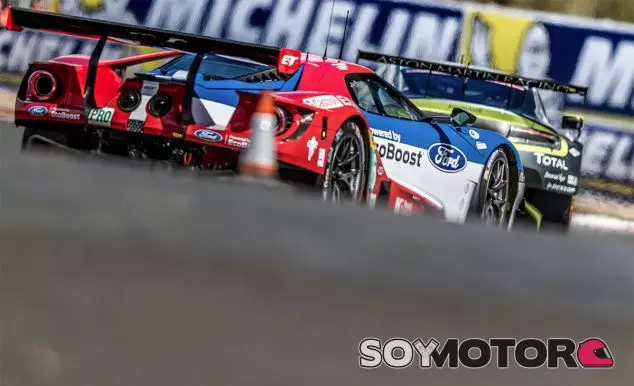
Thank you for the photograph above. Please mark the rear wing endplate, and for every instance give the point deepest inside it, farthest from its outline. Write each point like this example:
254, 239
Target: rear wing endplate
286, 60
465, 71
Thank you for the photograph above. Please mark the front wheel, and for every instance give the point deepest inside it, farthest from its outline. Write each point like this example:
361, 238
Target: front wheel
493, 193
346, 170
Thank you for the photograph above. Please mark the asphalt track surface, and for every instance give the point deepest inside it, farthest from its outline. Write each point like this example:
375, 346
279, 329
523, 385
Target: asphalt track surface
111, 274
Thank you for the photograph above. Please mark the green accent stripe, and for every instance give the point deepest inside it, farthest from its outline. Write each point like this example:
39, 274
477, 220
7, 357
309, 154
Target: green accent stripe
534, 213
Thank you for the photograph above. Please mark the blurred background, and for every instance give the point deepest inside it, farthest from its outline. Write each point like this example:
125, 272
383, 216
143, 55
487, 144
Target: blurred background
613, 9
585, 42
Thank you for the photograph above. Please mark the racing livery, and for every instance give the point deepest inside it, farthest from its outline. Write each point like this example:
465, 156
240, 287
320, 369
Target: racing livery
511, 106
339, 128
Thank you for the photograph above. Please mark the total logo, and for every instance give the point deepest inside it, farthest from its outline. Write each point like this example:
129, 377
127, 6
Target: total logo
549, 161
407, 157
208, 135
447, 158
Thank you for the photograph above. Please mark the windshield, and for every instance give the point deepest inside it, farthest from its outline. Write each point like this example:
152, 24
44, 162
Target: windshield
442, 86
423, 84
215, 66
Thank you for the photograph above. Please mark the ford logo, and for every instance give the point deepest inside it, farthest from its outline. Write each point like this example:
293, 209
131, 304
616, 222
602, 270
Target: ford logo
447, 158
208, 135
38, 111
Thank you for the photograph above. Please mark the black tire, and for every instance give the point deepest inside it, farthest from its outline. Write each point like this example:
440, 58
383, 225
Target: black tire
492, 203
338, 184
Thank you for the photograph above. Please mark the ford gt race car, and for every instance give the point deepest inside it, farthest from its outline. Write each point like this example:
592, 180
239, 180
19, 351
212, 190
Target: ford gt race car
511, 106
339, 127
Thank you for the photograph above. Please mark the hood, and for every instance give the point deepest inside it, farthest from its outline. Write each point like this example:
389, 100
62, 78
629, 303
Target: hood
486, 113
498, 120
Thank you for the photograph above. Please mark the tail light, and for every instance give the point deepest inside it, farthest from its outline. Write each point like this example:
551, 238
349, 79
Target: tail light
528, 135
160, 105
129, 100
42, 85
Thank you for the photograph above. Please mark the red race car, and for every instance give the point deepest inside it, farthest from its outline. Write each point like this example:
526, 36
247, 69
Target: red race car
195, 111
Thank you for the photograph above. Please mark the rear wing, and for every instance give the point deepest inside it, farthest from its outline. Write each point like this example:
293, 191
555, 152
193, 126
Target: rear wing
286, 60
464, 71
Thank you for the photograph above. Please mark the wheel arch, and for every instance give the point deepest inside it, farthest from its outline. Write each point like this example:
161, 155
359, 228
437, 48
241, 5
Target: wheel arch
513, 172
513, 175
363, 124
360, 121
363, 132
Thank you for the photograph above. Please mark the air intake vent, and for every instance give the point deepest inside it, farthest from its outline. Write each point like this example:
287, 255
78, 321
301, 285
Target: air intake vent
264, 76
530, 136
284, 120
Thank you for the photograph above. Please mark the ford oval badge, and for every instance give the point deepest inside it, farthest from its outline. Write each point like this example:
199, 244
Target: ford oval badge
447, 158
208, 135
38, 111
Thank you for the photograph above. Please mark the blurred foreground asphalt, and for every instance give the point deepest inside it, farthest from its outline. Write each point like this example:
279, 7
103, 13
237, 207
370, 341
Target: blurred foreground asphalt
115, 275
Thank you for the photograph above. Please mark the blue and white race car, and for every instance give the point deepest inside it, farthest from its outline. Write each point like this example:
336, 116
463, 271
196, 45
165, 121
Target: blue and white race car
444, 162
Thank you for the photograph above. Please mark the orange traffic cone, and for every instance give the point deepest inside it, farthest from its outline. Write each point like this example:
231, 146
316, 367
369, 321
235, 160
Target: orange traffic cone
4, 13
259, 158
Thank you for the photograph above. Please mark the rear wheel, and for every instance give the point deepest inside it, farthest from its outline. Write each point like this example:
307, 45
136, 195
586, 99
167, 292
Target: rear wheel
493, 192
346, 168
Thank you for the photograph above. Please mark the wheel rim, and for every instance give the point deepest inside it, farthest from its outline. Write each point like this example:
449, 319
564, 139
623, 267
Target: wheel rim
346, 168
497, 192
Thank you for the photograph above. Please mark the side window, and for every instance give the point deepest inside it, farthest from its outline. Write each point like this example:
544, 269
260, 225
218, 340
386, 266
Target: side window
362, 94
393, 105
375, 96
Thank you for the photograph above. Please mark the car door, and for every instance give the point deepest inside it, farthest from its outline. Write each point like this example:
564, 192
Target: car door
426, 158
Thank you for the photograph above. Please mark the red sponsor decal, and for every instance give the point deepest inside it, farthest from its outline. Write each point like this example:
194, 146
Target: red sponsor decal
288, 61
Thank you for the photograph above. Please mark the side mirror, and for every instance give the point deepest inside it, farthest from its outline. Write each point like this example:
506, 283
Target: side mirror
460, 117
572, 125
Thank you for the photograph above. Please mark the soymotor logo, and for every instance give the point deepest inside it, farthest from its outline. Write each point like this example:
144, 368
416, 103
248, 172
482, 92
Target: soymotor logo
477, 353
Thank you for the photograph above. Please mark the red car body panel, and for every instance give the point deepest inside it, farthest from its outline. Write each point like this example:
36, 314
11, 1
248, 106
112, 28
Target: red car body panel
72, 71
